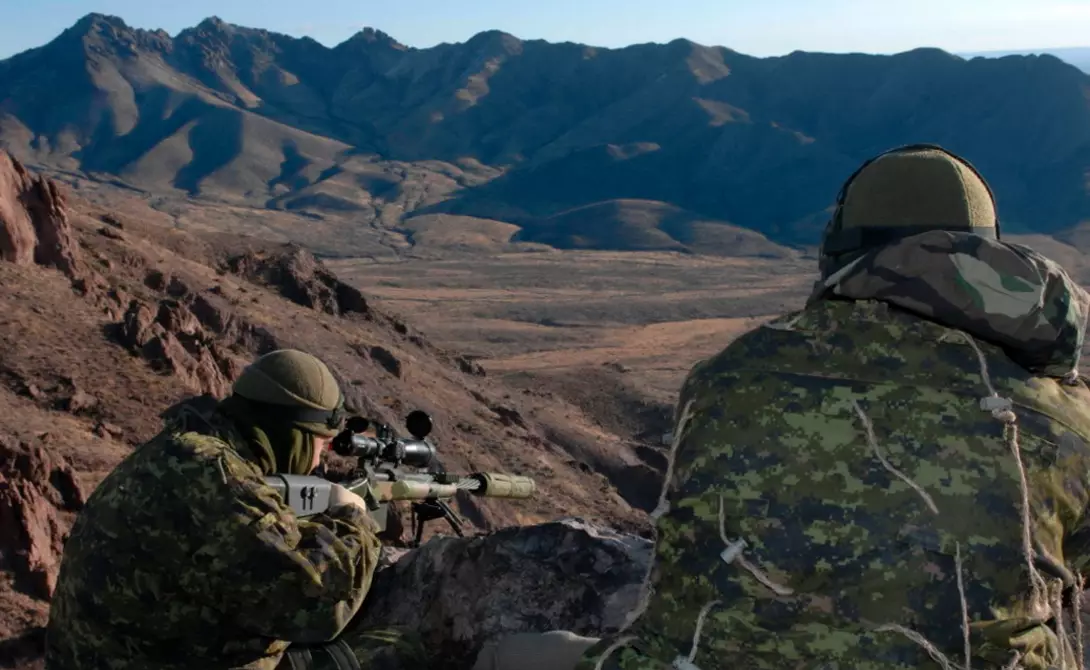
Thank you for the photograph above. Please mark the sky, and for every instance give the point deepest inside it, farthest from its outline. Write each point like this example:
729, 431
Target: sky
755, 27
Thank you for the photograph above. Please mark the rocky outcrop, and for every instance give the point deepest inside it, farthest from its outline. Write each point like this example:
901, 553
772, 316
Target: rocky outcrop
192, 336
34, 226
301, 278
460, 593
35, 488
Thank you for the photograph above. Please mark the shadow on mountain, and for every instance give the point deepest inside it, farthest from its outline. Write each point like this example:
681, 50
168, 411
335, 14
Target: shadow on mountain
214, 141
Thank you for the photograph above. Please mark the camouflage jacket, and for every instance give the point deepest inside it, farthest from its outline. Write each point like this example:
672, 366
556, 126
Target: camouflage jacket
184, 558
843, 474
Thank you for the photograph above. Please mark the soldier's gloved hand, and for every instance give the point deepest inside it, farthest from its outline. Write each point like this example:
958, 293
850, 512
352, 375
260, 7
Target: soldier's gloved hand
339, 495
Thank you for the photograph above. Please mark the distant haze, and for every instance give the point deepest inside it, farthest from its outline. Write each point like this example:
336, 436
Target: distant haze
766, 28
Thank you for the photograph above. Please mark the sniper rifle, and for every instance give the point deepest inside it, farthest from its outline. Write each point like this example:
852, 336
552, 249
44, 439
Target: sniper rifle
380, 478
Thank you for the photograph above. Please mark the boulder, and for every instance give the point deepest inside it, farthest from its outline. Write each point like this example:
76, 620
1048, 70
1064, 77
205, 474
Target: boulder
35, 488
460, 593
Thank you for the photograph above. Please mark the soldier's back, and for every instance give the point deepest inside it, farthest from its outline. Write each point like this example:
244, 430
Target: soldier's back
866, 459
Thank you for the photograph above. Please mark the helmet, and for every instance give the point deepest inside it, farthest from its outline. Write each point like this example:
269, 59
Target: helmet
904, 192
300, 388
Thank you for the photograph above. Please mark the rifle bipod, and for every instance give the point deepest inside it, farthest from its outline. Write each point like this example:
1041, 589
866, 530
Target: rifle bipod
430, 510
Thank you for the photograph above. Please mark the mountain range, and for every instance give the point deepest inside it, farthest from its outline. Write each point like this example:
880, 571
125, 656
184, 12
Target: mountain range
677, 146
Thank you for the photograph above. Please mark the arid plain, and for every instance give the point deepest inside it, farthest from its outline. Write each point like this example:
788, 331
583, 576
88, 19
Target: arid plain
560, 316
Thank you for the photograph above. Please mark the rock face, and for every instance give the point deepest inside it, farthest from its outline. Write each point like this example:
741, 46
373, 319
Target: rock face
33, 488
460, 593
34, 224
191, 337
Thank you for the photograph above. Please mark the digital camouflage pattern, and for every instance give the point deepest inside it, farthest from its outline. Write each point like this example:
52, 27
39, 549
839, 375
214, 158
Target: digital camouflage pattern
184, 558
846, 534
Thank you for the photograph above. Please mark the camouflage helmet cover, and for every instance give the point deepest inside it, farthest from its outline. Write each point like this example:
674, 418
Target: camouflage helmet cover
904, 192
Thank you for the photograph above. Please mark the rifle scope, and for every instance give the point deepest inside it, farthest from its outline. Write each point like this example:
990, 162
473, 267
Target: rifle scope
413, 453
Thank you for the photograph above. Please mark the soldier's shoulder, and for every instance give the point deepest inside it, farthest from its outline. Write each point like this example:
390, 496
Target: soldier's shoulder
196, 443
763, 341
195, 451
186, 446
823, 340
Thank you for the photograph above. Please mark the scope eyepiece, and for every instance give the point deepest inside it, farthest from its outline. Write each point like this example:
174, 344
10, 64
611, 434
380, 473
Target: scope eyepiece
356, 446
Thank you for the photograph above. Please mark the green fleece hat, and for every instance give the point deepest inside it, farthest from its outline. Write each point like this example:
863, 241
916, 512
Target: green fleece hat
281, 401
905, 192
299, 385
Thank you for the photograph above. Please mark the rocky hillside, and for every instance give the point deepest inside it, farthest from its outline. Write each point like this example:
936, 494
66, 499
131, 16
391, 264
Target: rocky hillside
105, 321
524, 141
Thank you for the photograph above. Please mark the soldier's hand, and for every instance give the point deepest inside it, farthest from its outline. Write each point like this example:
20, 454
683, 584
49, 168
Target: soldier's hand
339, 495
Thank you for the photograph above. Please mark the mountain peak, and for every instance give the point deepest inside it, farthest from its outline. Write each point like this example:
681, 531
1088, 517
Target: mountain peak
369, 37
933, 54
96, 20
495, 39
216, 25
110, 34
493, 36
96, 23
370, 34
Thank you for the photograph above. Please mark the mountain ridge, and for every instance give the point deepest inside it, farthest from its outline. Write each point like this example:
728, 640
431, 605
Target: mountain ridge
374, 132
1076, 56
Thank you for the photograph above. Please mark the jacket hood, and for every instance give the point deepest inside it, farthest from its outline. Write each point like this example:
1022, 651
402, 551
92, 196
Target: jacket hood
999, 292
